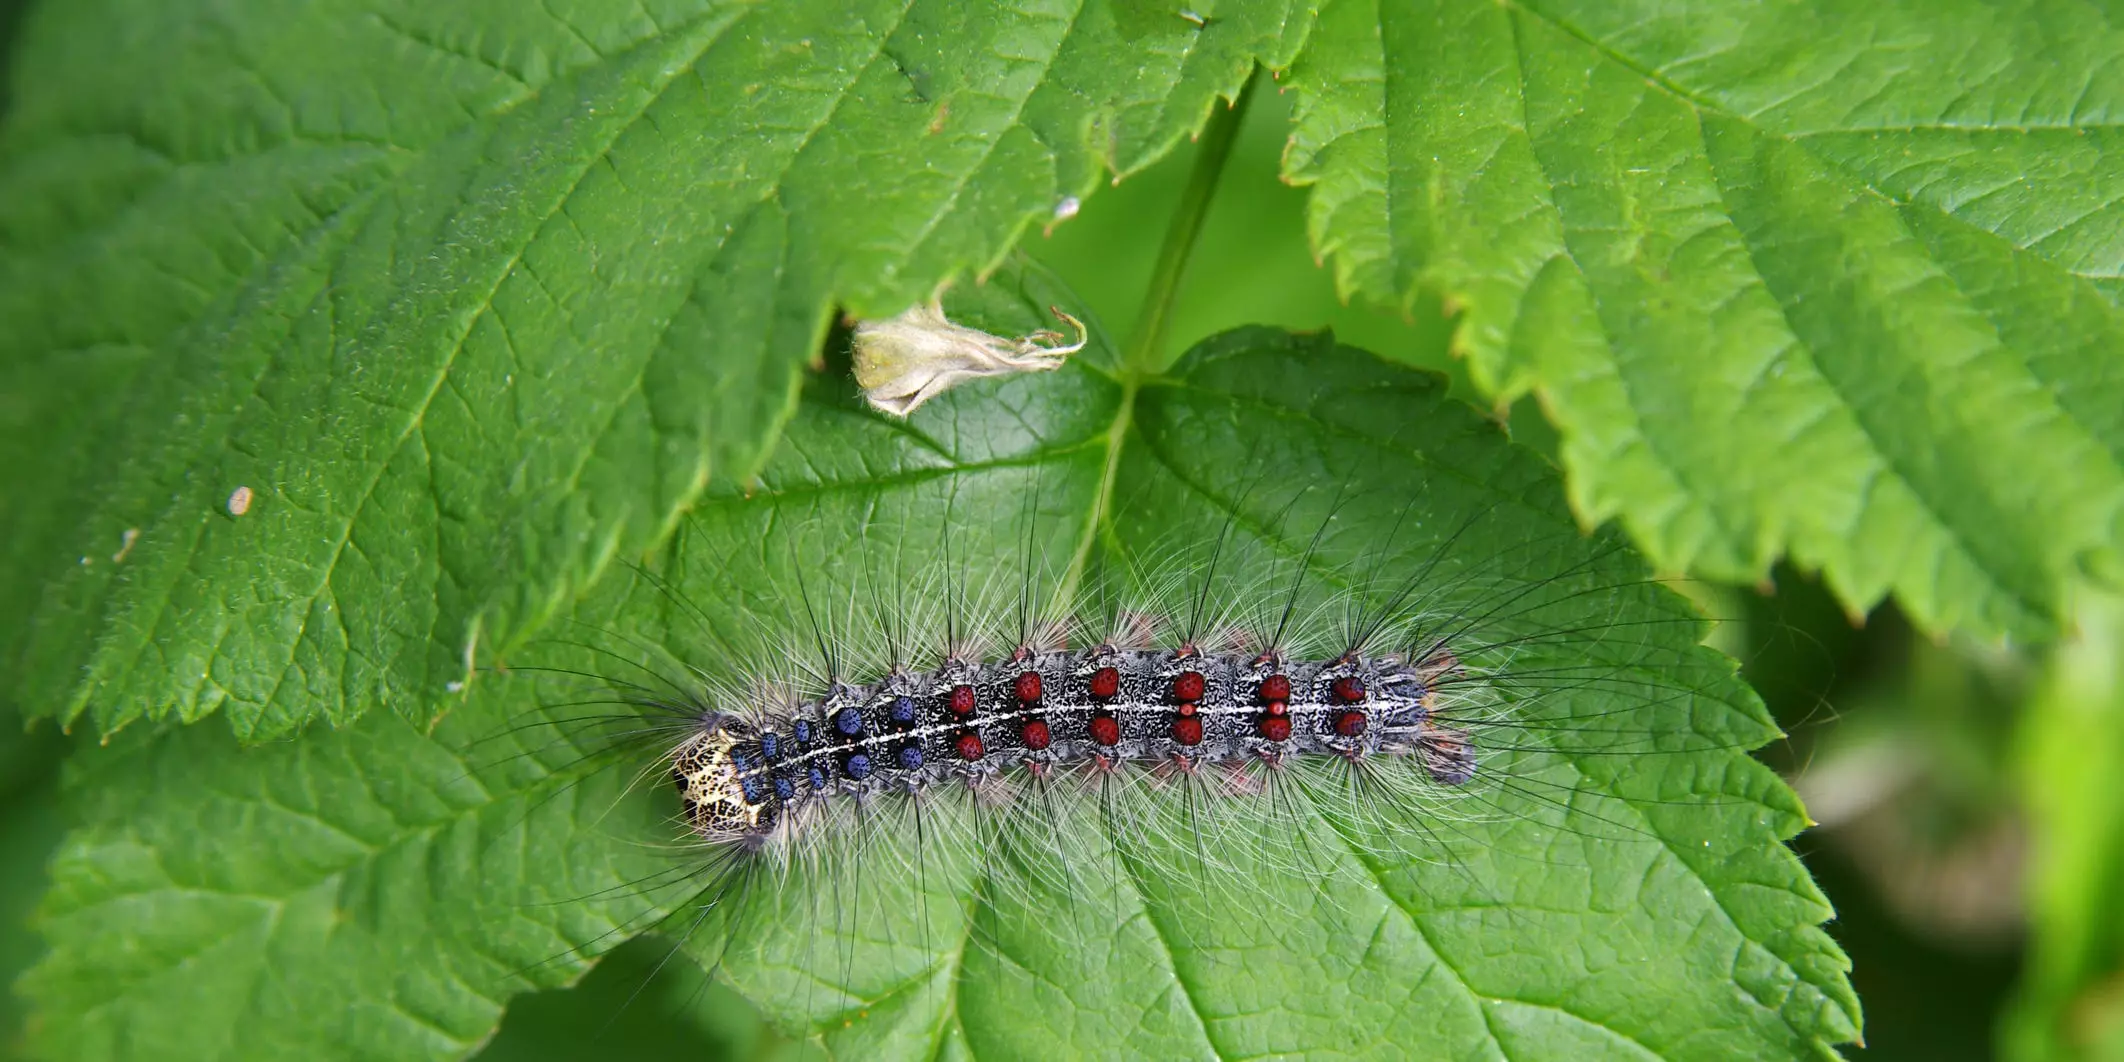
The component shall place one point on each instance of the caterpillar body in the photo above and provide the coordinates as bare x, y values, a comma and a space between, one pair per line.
1101, 708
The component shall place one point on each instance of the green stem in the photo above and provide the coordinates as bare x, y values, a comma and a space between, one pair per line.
1144, 354
1141, 357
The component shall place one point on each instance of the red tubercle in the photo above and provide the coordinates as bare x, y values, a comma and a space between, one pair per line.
1187, 708
1349, 689
1274, 727
1350, 724
1027, 687
1035, 734
1106, 683
1187, 730
962, 701
968, 746
1187, 686
1275, 688
1106, 730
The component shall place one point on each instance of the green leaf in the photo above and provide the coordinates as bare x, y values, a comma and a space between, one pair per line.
474, 299
1606, 906
1812, 278
373, 892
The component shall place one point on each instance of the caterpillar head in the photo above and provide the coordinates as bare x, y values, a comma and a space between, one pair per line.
709, 773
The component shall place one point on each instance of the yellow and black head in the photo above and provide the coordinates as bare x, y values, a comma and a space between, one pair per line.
722, 789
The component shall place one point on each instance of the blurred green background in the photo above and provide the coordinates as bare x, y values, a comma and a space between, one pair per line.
1972, 837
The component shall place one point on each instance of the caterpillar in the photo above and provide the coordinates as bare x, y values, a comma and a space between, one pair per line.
1279, 705
1034, 711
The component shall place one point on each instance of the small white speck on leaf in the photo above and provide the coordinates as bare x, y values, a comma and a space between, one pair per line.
125, 544
1064, 210
454, 686
910, 359
240, 501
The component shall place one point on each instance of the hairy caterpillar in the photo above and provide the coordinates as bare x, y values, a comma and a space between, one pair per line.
1503, 735
1183, 708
